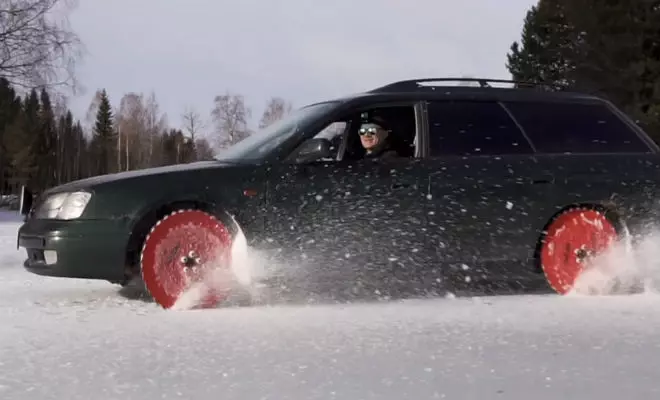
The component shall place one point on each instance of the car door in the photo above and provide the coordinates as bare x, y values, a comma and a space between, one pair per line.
349, 223
300, 210
490, 199
378, 225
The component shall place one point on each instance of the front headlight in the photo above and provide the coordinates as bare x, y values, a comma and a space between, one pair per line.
63, 206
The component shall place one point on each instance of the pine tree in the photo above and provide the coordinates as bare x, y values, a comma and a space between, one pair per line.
544, 54
46, 144
68, 149
10, 111
82, 167
104, 139
26, 156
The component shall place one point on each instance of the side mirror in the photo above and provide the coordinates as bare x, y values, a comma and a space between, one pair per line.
313, 150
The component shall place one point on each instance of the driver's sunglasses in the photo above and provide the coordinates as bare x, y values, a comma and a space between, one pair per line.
369, 131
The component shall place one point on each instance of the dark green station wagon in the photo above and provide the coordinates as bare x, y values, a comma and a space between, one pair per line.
416, 188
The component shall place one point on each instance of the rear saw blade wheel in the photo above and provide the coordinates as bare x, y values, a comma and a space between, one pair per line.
186, 249
571, 242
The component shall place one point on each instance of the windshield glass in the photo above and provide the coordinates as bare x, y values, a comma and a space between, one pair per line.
258, 145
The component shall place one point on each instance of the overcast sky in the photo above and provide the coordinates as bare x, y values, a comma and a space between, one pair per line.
188, 51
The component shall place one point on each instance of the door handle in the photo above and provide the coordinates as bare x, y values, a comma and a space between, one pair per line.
400, 186
304, 171
543, 180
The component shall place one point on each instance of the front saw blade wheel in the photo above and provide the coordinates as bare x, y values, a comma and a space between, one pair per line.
570, 243
185, 248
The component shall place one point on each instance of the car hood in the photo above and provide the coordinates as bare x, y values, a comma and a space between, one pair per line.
89, 183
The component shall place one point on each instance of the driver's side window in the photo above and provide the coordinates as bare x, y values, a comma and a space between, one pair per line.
396, 136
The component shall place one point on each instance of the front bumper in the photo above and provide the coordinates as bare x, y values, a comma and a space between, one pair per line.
88, 249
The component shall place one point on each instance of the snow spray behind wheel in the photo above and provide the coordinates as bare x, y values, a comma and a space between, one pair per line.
601, 256
627, 267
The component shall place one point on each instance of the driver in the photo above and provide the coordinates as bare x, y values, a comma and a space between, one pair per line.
374, 138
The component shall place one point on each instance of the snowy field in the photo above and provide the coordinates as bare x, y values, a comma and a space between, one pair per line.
67, 339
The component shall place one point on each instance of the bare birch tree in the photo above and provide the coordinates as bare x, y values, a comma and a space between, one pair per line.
141, 125
230, 115
193, 124
37, 48
155, 125
275, 110
131, 125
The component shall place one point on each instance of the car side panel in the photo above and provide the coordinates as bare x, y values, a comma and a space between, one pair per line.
629, 183
297, 225
494, 208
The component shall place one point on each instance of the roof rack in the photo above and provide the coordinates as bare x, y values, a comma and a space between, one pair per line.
416, 84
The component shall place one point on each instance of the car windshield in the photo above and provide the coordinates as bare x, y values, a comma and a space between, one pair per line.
260, 144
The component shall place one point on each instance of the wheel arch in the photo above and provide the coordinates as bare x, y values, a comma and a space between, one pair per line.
608, 208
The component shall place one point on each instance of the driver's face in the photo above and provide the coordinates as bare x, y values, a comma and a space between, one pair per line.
371, 135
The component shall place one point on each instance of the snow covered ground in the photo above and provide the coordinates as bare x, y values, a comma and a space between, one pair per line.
67, 339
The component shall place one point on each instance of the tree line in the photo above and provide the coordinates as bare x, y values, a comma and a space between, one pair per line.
43, 145
607, 48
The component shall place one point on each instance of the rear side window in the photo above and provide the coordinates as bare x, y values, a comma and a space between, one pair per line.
576, 128
473, 128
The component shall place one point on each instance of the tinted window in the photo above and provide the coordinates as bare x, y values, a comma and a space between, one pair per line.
575, 128
473, 128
